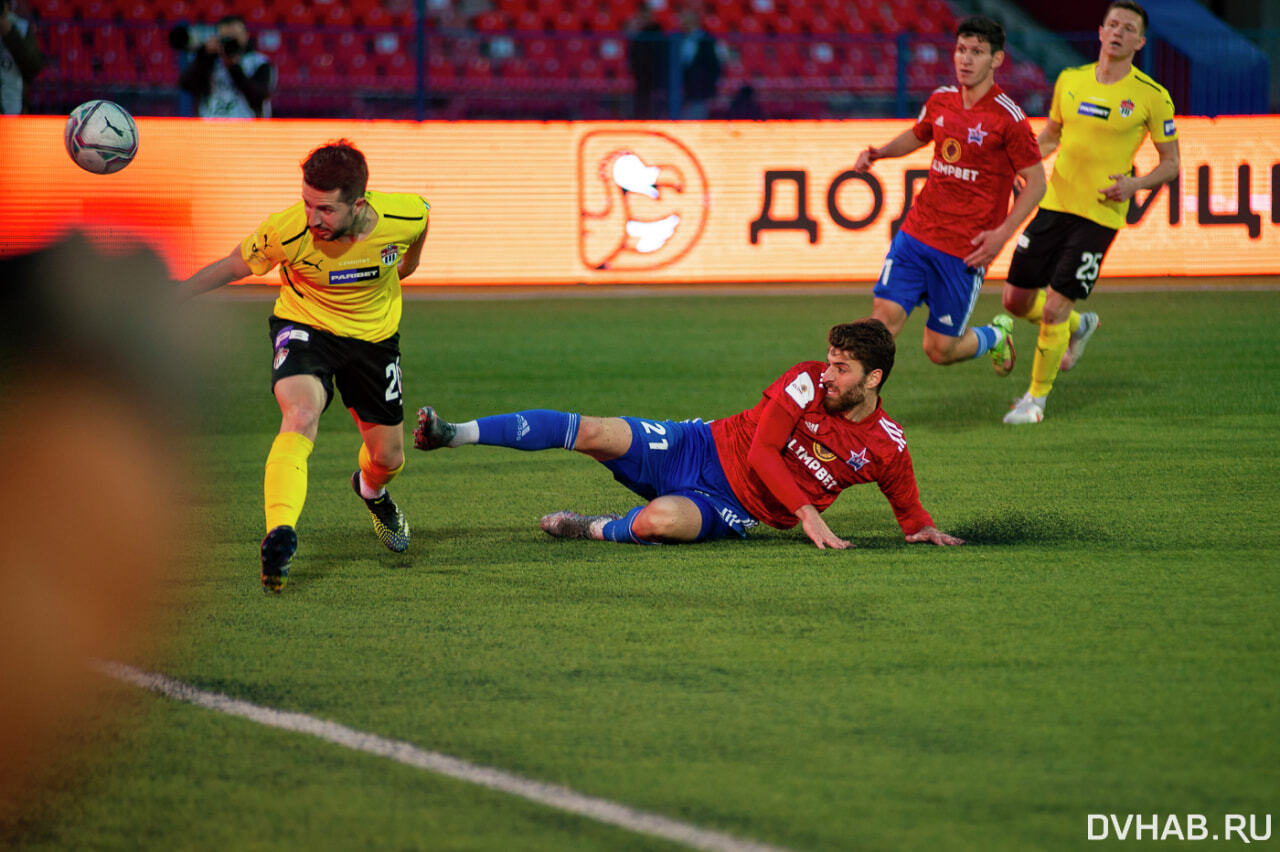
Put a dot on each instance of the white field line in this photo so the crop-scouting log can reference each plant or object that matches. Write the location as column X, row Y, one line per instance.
column 552, row 795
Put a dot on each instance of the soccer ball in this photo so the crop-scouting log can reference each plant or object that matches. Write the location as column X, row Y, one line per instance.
column 101, row 137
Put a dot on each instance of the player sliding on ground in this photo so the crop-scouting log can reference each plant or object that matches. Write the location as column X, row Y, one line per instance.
column 818, row 429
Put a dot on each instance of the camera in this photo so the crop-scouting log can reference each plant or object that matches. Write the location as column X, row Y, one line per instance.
column 183, row 37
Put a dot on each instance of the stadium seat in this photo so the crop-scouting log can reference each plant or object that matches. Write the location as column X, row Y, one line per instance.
column 54, row 10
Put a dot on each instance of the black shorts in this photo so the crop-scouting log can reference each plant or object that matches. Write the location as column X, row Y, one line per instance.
column 367, row 374
column 1061, row 250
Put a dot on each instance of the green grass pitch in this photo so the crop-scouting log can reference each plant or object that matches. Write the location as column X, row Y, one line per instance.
column 1106, row 643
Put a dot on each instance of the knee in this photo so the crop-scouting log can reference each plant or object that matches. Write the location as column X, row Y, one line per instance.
column 1017, row 301
column 940, row 350
column 303, row 419
column 1057, row 310
column 387, row 459
column 655, row 523
column 590, row 432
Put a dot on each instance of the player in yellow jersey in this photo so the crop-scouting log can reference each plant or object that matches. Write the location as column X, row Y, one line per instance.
column 342, row 251
column 1100, row 114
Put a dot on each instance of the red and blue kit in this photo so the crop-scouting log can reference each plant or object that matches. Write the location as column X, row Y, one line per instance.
column 788, row 451
column 976, row 153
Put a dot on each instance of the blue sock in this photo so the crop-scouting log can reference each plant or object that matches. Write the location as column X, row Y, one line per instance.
column 620, row 530
column 986, row 338
column 538, row 429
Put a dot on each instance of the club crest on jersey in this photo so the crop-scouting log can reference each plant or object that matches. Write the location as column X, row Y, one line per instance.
column 857, row 460
column 390, row 254
column 1126, row 108
column 279, row 359
column 950, row 149
column 822, row 453
column 977, row 134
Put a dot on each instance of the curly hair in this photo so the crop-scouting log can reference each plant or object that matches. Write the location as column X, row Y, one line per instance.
column 337, row 165
column 868, row 342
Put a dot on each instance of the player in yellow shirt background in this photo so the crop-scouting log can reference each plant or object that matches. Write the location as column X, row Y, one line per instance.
column 1100, row 115
column 342, row 251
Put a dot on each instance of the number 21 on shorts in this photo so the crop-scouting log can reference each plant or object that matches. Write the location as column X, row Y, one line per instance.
column 650, row 429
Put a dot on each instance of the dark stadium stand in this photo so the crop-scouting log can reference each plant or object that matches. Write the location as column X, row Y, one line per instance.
column 542, row 59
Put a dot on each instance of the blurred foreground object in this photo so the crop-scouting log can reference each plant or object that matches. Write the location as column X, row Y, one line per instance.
column 88, row 513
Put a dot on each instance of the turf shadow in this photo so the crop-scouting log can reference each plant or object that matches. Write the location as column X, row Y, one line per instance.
column 1049, row 526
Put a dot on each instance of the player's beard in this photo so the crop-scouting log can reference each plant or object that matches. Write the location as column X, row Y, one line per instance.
column 338, row 233
column 847, row 401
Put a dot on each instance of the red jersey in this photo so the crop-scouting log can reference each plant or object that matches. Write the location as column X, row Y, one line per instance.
column 976, row 153
column 821, row 454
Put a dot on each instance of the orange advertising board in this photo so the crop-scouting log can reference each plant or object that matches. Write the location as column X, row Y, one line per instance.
column 609, row 202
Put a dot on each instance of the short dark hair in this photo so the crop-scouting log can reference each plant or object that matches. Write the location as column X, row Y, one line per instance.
column 984, row 28
column 337, row 165
column 1130, row 6
column 868, row 342
column 231, row 19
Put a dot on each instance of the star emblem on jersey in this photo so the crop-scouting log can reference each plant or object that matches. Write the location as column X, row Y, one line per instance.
column 977, row 134
column 857, row 459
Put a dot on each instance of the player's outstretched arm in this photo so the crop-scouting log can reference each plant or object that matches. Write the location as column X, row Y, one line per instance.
column 987, row 244
column 231, row 268
column 901, row 145
column 933, row 535
column 817, row 530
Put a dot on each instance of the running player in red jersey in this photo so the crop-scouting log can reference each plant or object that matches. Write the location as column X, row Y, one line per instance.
column 818, row 429
column 962, row 217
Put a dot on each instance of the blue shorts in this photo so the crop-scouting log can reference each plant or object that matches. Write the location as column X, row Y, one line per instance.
column 669, row 457
column 914, row 274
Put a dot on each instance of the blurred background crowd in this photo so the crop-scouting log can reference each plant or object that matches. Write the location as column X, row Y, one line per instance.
column 594, row 59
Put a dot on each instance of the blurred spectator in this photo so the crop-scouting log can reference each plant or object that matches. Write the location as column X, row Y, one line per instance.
column 85, row 585
column 647, row 56
column 745, row 106
column 20, row 58
column 699, row 66
column 227, row 77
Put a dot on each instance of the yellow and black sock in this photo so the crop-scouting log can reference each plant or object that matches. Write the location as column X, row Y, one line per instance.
column 284, row 487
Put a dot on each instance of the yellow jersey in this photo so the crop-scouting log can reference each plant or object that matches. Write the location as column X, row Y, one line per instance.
column 347, row 289
column 1102, row 128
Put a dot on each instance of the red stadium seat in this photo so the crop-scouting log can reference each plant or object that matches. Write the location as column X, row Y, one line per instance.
column 491, row 22
column 57, row 10
column 337, row 15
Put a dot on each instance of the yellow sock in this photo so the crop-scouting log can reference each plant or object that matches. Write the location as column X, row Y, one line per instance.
column 1050, row 347
column 1037, row 310
column 1037, row 313
column 375, row 475
column 284, row 488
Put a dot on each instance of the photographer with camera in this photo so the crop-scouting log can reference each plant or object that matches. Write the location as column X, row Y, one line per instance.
column 227, row 77
column 20, row 58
